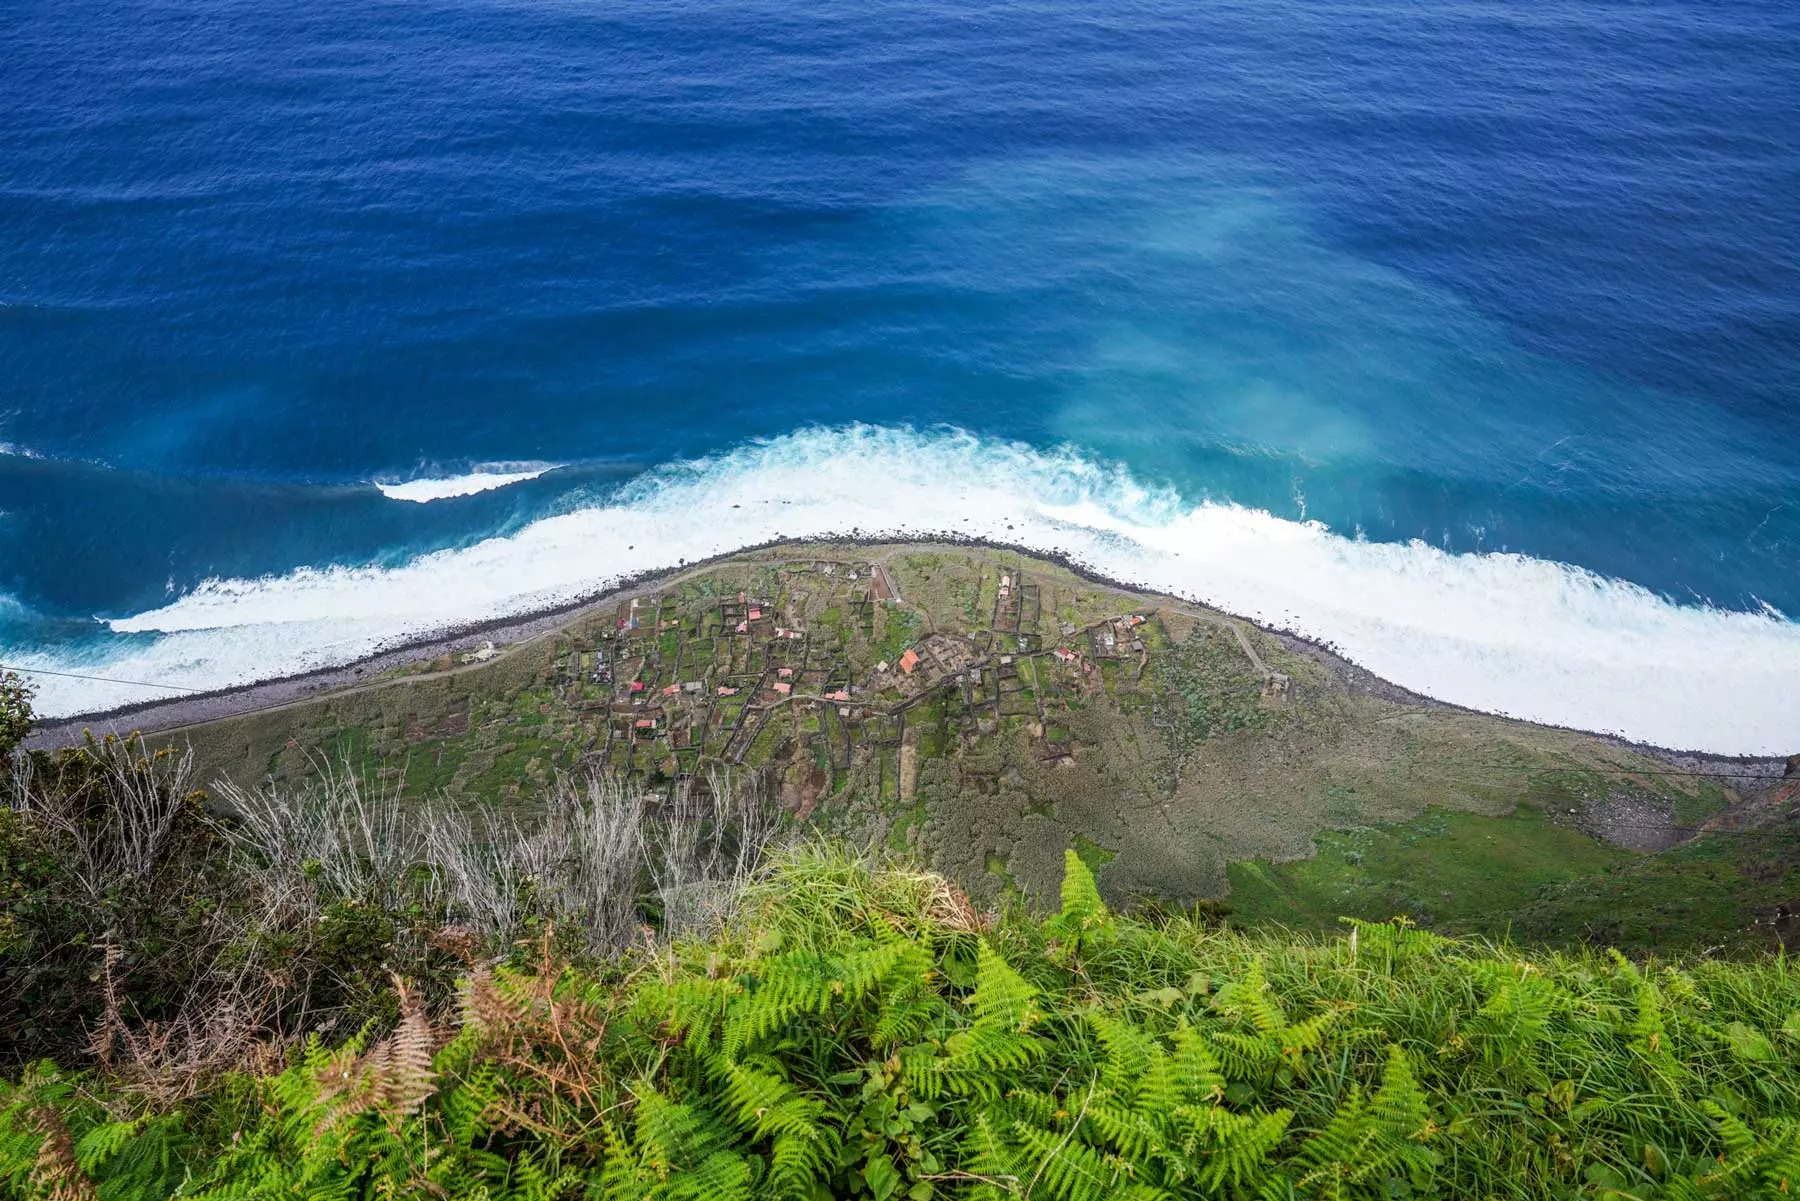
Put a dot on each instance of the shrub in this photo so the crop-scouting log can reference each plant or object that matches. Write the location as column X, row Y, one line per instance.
column 855, row 1032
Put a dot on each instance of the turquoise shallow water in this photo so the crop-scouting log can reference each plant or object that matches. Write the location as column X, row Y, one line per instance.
column 1464, row 337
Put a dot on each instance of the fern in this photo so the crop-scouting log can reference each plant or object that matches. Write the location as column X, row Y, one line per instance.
column 1514, row 1021
column 1234, row 1148
column 677, row 1151
column 1251, row 999
column 1196, row 1068
column 1069, row 1170
column 769, row 1107
column 1392, row 943
column 1370, row 1141
column 1083, row 922
column 997, row 1041
column 1002, row 998
column 988, row 1161
column 1756, row 1163
column 784, row 988
column 863, row 1060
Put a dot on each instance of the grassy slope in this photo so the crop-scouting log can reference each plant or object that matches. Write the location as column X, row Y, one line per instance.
column 1532, row 878
column 1459, row 872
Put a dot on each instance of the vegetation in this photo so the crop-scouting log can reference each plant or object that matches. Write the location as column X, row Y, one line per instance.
column 15, row 712
column 1209, row 689
column 333, row 993
column 852, row 1031
column 1536, row 879
column 342, row 983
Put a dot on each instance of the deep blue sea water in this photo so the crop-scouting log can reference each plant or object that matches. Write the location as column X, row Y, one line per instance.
column 1464, row 335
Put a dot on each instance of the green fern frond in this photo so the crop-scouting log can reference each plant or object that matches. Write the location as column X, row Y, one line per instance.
column 1066, row 1169
column 1245, row 1057
column 1083, row 916
column 104, row 1141
column 974, row 1059
column 784, row 988
column 1399, row 1107
column 906, row 1020
column 1251, row 999
column 989, row 1162
column 1128, row 1052
column 1002, row 997
column 857, row 973
column 1237, row 1146
column 1135, row 1136
column 1196, row 1067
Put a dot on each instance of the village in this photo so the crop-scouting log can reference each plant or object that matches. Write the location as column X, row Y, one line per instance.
column 821, row 667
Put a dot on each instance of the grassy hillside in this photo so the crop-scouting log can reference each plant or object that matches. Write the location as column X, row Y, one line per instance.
column 1188, row 755
column 1531, row 878
column 854, row 1031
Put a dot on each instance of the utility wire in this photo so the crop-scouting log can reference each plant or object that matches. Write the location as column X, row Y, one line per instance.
column 74, row 675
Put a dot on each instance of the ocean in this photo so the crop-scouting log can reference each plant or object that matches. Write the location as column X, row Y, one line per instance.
column 1464, row 336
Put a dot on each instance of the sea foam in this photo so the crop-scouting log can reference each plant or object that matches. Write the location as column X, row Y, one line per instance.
column 1499, row 632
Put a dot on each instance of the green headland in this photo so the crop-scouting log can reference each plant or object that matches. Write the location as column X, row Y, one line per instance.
column 983, row 711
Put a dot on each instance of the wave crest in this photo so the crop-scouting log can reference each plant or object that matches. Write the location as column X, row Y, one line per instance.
column 483, row 479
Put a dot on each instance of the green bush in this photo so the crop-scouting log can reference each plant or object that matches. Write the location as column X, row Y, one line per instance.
column 854, row 1032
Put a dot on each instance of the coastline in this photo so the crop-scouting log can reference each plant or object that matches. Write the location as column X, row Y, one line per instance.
column 164, row 716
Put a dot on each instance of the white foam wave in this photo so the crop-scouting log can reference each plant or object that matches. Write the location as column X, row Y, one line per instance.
column 481, row 480
column 1499, row 632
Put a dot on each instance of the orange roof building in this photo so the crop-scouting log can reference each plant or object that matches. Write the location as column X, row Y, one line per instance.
column 909, row 660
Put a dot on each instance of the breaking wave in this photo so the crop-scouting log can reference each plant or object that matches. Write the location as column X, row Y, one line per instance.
column 1500, row 632
column 481, row 480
